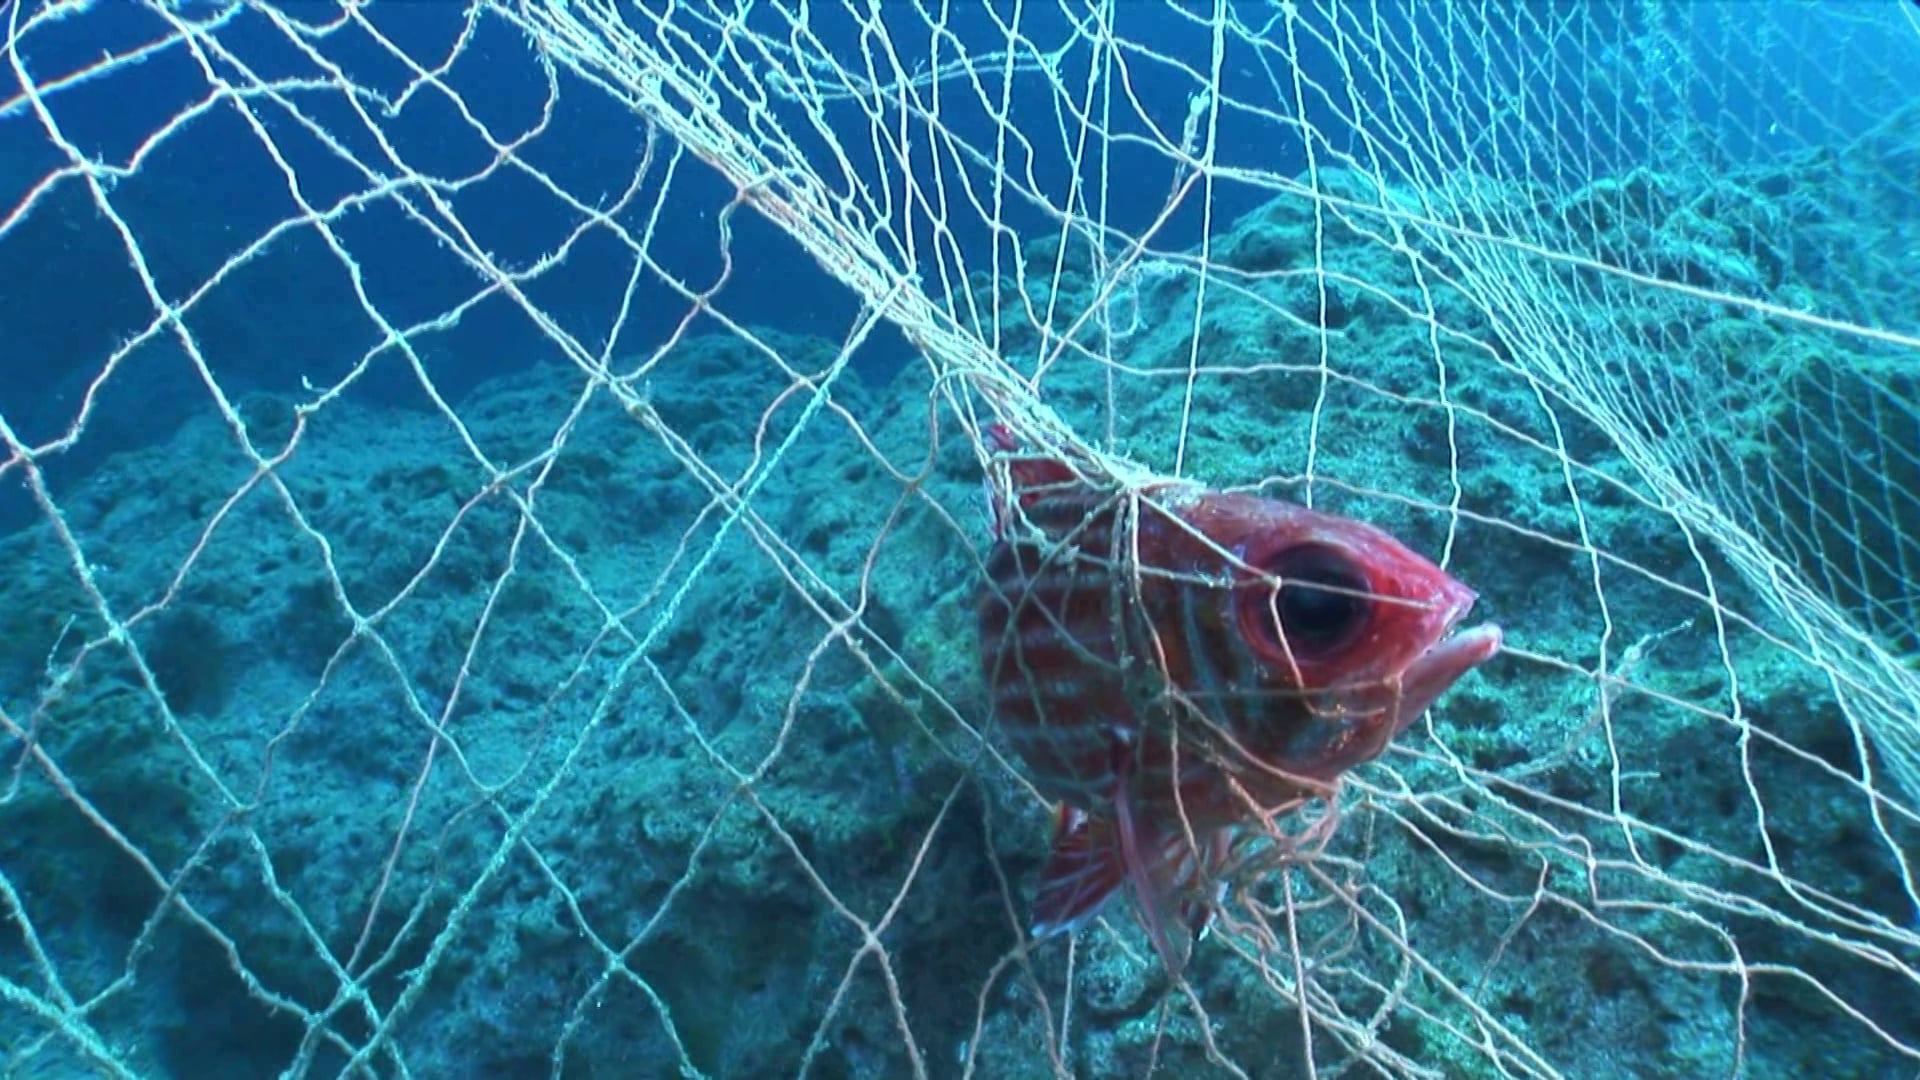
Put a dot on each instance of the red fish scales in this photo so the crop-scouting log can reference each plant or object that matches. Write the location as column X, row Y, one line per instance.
column 1177, row 663
column 1057, row 656
column 1100, row 655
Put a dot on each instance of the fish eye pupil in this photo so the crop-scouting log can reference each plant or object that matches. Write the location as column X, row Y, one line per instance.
column 1322, row 603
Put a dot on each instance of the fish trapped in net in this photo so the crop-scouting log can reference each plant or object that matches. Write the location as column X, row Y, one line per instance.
column 1182, row 668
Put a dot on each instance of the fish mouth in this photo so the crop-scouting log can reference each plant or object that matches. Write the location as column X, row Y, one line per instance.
column 1438, row 668
column 1396, row 701
column 1455, row 653
column 1375, row 713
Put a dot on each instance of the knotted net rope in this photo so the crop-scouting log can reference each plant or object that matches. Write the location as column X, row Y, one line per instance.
column 493, row 521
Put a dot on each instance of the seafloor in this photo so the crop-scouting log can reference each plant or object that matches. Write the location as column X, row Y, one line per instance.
column 641, row 636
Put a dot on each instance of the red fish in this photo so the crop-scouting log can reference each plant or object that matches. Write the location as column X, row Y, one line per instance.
column 1179, row 667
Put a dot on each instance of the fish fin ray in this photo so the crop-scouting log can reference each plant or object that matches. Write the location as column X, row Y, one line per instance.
column 1153, row 872
column 1083, row 870
column 1093, row 858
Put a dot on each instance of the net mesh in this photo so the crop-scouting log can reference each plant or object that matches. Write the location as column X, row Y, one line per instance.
column 493, row 521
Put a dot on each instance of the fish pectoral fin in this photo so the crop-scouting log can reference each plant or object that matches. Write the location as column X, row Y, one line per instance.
column 1142, row 856
column 1083, row 870
column 1093, row 858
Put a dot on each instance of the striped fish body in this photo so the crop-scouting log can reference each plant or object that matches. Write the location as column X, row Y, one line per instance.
column 1107, row 653
column 1111, row 644
column 1172, row 663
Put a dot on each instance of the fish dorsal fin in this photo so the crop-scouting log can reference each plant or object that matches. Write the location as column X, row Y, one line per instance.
column 1029, row 477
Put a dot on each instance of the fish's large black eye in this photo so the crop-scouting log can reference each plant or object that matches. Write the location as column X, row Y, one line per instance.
column 1322, row 604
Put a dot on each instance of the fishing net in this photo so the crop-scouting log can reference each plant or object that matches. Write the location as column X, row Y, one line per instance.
column 492, row 527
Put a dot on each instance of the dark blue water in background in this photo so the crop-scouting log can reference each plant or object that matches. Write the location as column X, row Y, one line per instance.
column 295, row 313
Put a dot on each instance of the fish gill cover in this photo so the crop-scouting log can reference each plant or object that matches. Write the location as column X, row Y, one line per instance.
column 492, row 536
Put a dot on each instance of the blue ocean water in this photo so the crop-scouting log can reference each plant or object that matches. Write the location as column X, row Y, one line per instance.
column 594, row 144
column 460, row 706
